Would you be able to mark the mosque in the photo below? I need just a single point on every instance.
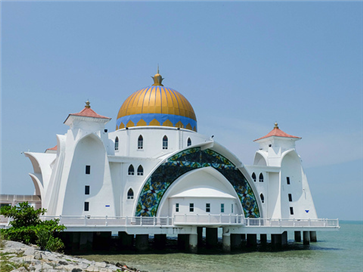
(156, 165)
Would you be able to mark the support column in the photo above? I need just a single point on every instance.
(236, 241)
(297, 236)
(193, 242)
(212, 237)
(276, 240)
(306, 237)
(75, 240)
(313, 237)
(86, 241)
(142, 242)
(251, 240)
(263, 239)
(226, 240)
(200, 236)
(183, 241)
(160, 241)
(127, 241)
(284, 239)
(102, 240)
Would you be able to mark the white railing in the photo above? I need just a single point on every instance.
(208, 219)
(89, 220)
(320, 222)
(187, 219)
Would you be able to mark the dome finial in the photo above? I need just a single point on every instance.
(157, 79)
(276, 125)
(88, 104)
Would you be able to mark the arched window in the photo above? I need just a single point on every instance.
(189, 142)
(116, 143)
(131, 170)
(140, 171)
(260, 178)
(140, 143)
(262, 198)
(254, 176)
(165, 142)
(130, 194)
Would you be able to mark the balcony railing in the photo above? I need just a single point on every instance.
(187, 219)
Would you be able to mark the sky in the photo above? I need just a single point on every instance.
(242, 65)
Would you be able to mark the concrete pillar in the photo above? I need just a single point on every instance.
(284, 239)
(306, 237)
(160, 241)
(263, 239)
(193, 242)
(102, 240)
(142, 242)
(313, 237)
(226, 240)
(276, 240)
(183, 241)
(297, 236)
(126, 240)
(236, 241)
(212, 237)
(75, 240)
(86, 241)
(251, 240)
(200, 236)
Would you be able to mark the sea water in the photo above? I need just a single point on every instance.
(335, 251)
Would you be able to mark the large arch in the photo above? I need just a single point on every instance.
(187, 160)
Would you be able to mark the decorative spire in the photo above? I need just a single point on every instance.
(157, 79)
(88, 104)
(276, 125)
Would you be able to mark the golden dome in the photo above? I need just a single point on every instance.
(156, 105)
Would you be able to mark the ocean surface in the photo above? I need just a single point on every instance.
(335, 251)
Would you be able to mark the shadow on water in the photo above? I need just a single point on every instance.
(172, 247)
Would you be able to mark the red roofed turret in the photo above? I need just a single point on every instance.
(276, 132)
(86, 112)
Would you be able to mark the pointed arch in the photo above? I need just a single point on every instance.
(192, 159)
(116, 143)
(131, 170)
(140, 170)
(262, 198)
(165, 142)
(254, 176)
(189, 142)
(260, 178)
(130, 194)
(140, 142)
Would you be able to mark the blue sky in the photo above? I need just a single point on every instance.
(242, 65)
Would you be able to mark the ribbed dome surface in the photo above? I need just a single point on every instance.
(157, 106)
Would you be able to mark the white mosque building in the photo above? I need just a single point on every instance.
(156, 165)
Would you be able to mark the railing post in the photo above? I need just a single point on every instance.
(209, 218)
(230, 218)
(309, 222)
(259, 222)
(167, 218)
(185, 218)
(141, 220)
(220, 218)
(60, 219)
(154, 220)
(106, 221)
(85, 220)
